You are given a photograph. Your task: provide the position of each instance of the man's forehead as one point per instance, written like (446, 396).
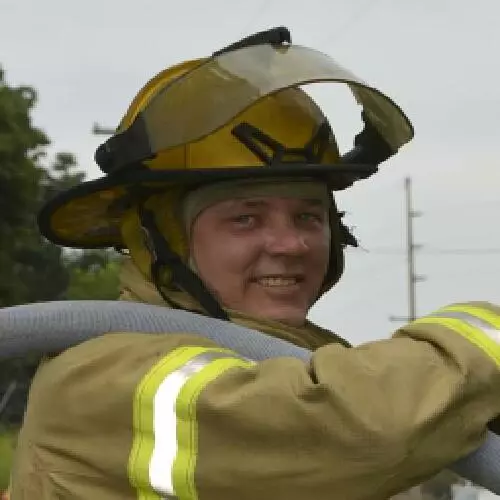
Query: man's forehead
(313, 190)
(268, 200)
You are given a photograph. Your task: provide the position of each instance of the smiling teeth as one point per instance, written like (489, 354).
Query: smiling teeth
(277, 281)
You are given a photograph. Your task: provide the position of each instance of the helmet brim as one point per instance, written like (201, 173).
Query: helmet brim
(89, 215)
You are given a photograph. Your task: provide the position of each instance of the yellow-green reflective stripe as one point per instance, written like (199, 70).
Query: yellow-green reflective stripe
(143, 416)
(484, 326)
(187, 430)
(143, 439)
(471, 333)
(479, 312)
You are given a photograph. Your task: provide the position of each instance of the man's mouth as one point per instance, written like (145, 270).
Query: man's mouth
(278, 281)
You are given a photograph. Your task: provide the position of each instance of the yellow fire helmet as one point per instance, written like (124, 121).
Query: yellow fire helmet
(239, 113)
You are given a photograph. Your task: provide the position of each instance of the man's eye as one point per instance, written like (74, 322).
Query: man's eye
(244, 219)
(310, 217)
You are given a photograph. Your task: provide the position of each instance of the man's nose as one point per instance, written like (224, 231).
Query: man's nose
(286, 239)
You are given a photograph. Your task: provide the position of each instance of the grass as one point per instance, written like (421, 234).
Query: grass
(7, 443)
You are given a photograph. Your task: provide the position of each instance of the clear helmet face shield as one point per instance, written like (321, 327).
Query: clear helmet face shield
(216, 91)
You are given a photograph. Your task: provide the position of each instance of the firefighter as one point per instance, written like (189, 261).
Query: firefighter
(218, 184)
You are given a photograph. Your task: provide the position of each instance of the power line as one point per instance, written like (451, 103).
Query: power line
(366, 7)
(263, 7)
(464, 251)
(436, 251)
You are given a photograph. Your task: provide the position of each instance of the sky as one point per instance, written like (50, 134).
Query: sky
(438, 59)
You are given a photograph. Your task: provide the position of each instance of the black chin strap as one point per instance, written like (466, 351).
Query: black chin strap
(183, 277)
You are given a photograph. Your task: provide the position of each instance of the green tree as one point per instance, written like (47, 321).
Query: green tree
(61, 175)
(21, 147)
(31, 268)
(40, 265)
(93, 274)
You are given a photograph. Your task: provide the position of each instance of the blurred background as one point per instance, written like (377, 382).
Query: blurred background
(427, 222)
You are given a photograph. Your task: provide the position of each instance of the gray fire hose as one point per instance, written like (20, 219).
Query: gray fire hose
(44, 328)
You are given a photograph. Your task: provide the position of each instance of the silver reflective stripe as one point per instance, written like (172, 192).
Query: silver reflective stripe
(472, 321)
(165, 421)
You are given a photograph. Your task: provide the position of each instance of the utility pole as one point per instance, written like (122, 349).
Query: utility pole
(412, 277)
(410, 253)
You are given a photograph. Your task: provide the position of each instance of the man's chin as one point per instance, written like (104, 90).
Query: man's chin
(292, 316)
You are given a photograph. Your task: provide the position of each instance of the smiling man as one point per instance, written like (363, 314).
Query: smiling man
(272, 248)
(219, 185)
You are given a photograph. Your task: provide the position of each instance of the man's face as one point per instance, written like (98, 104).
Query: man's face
(264, 256)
